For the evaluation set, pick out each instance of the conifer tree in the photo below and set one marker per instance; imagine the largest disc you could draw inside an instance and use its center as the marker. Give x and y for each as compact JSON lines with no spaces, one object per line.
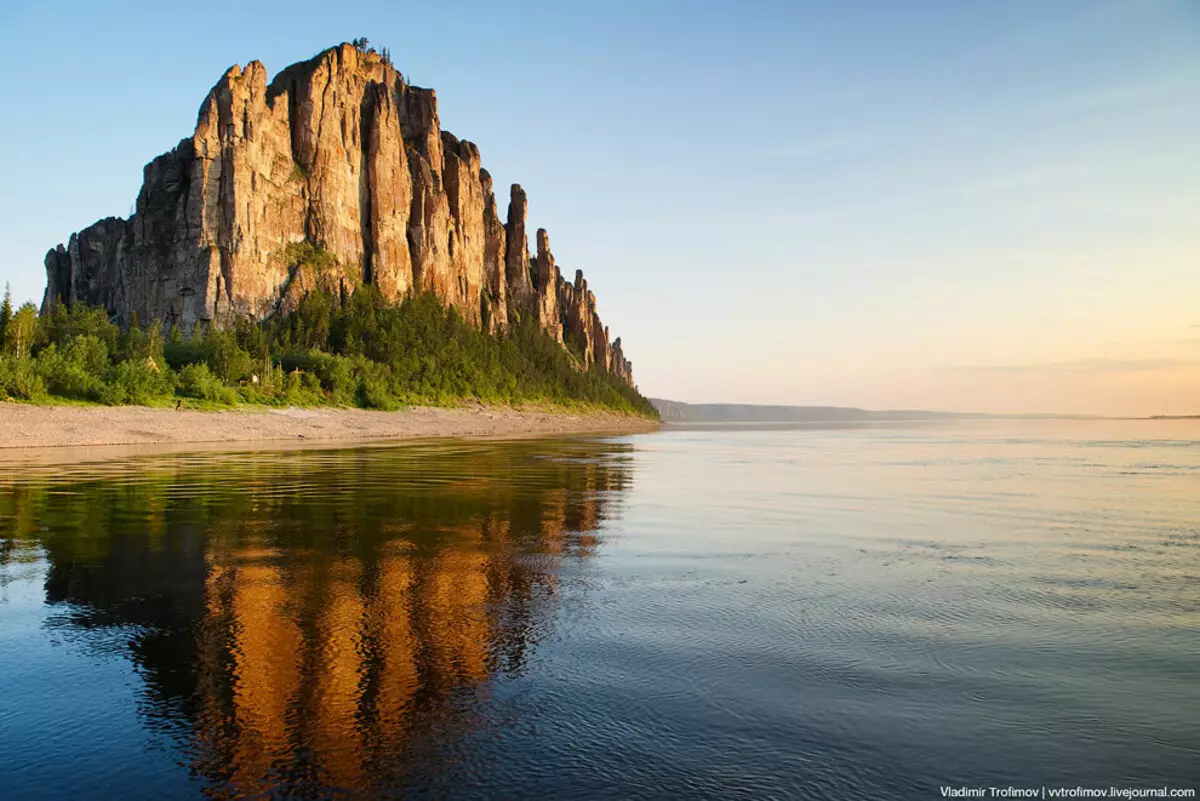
{"x":6,"y":310}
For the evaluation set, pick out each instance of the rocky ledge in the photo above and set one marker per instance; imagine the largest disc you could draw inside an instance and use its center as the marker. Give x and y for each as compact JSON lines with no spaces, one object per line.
{"x":337,"y":156}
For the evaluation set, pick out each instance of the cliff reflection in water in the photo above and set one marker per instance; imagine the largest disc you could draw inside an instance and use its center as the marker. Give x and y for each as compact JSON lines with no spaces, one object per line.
{"x":318,"y":620}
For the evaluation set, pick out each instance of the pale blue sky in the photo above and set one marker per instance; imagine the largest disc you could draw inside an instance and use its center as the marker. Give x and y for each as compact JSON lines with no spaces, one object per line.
{"x":962,"y":205}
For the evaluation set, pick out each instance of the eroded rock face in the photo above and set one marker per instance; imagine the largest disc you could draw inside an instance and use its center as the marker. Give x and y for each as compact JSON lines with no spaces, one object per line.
{"x":548,"y":280}
{"x":465,"y":240}
{"x":389,"y":198}
{"x":495,"y":251}
{"x":522,"y":300}
{"x":336,"y":153}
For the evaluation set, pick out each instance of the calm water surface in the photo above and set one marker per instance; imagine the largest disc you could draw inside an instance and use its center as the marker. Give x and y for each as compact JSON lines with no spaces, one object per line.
{"x":863,"y":612}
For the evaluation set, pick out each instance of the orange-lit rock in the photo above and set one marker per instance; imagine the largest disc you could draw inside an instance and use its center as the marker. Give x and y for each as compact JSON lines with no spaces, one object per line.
{"x":341,"y":153}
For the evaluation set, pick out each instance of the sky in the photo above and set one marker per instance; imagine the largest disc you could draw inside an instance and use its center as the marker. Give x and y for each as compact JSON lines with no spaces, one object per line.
{"x":942,"y":205}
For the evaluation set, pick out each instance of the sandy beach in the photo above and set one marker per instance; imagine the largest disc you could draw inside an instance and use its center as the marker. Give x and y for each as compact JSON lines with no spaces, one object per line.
{"x":23,"y":427}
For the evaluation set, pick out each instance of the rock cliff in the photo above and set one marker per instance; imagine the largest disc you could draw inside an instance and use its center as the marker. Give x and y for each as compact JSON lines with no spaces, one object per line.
{"x":337,"y":155}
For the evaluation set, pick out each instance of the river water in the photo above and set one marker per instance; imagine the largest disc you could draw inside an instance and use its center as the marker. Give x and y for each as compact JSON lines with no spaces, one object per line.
{"x":871,"y":611}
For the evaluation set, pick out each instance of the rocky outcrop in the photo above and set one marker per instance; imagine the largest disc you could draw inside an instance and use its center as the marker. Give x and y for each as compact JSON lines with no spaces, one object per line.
{"x":495,"y":253}
{"x":548,"y":280}
{"x":336,"y":156}
{"x":522,"y":298}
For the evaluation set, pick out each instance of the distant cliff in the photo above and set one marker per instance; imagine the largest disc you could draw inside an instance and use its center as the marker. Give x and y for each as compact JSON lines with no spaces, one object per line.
{"x":337,"y":156}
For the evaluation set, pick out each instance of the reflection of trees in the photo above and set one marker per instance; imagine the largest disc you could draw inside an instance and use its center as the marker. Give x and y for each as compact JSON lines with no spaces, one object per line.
{"x":319,"y":619}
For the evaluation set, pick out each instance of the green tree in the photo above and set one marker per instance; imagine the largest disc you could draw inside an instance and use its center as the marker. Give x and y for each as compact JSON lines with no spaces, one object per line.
{"x":19,"y":331}
{"x":228,"y":361}
{"x":6,"y":310}
{"x":133,"y":342}
{"x":154,"y":343}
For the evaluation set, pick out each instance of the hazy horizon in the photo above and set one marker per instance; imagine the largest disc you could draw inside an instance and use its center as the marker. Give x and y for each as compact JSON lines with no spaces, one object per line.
{"x":954,"y":207}
{"x":1042,"y":414}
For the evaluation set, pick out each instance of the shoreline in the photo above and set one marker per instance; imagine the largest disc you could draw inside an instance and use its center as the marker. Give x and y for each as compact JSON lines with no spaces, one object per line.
{"x":29,"y":429}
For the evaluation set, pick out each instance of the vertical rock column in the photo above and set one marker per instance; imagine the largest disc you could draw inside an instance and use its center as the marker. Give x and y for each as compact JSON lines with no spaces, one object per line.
{"x":332,"y":109}
{"x":522,"y":301}
{"x":429,"y":223}
{"x":464,"y":193}
{"x":547,"y":288}
{"x":244,"y":198}
{"x":495,"y":298}
{"x":579,"y":312}
{"x":600,"y":343}
{"x":389,"y":190}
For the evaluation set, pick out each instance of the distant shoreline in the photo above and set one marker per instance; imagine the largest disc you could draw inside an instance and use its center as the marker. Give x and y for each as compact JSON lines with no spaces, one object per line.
{"x":29,"y":427}
{"x":754,"y":413}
